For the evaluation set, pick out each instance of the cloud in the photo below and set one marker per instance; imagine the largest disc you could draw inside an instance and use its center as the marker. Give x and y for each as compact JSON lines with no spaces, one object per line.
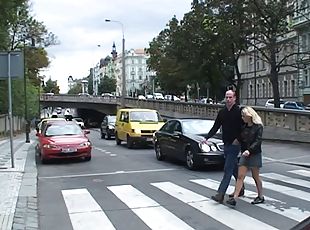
{"x":80,"y":27}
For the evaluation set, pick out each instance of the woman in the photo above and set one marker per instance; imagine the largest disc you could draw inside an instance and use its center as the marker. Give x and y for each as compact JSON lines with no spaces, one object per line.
{"x":250,"y":141}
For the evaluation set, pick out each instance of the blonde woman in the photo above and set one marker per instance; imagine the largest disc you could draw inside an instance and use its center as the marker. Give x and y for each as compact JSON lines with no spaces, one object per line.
{"x":251,"y":158}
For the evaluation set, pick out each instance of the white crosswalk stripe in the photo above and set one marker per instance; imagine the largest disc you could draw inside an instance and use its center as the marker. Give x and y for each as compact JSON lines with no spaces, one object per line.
{"x":286,"y":179}
{"x":282,"y":189}
{"x":153,"y":215}
{"x":301,"y":172}
{"x":85,"y":213}
{"x":219,"y":212}
{"x":271,"y":204}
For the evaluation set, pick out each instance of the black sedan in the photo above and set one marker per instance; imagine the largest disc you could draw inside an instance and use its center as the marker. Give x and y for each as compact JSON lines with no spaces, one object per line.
{"x":184,"y":139}
{"x":107,"y":127}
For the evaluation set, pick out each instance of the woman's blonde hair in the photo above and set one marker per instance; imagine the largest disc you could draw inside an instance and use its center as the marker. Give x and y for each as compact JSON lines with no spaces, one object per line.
{"x":249,"y":111}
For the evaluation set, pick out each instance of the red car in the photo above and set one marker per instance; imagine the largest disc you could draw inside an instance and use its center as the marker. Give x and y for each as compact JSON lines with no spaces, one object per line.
{"x":60,"y":140}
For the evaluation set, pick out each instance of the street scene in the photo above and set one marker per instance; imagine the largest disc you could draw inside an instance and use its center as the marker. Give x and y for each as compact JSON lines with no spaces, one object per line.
{"x":130,"y":189}
{"x":154,"y":115}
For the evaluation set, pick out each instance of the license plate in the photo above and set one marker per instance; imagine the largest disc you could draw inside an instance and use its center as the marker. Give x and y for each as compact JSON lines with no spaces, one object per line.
{"x":149,"y":139}
{"x":69,"y":150}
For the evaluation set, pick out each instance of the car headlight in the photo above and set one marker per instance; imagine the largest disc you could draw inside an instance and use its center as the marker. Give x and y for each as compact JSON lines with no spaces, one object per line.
{"x":213,"y":148}
{"x":49,"y":146}
{"x":204,"y":147}
{"x":85,"y":144}
{"x":137,"y":131}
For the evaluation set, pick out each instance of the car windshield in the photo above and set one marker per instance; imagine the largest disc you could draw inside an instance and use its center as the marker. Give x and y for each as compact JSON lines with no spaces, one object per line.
{"x":142,"y":116}
{"x":112,"y":119}
{"x":198,"y":126}
{"x":61,"y":130}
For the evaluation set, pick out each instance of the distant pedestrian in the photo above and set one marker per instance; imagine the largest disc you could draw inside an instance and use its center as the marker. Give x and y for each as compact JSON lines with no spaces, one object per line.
{"x":229,"y":118}
{"x":250,"y":140}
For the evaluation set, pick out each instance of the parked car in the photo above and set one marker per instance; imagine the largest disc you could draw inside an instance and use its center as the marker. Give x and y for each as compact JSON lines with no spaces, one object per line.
{"x":79,"y":121}
{"x":184,"y":139}
{"x":136,"y":126}
{"x":270,"y":103}
{"x":61,"y":140}
{"x":108,"y":95}
{"x":141,"y":97}
{"x":158,"y":96}
{"x":206,"y":101}
{"x":149,"y":96}
{"x":84,"y":95}
{"x":307,"y":107}
{"x":169,"y":98}
{"x":107,"y":127}
{"x":294,"y":105}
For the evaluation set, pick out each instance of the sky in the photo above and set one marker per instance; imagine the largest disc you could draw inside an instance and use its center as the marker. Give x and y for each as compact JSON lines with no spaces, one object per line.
{"x":85,"y":36}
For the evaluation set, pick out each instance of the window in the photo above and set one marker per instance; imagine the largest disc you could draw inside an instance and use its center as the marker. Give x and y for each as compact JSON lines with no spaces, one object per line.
{"x":264,"y":90}
{"x":250,"y":91}
{"x":258,"y":91}
{"x":285,"y":89}
{"x":132,"y":61}
{"x":270,"y":90}
{"x":293,"y":88}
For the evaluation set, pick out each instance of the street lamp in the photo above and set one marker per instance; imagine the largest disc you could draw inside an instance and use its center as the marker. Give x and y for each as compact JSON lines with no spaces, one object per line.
{"x":123,"y":64}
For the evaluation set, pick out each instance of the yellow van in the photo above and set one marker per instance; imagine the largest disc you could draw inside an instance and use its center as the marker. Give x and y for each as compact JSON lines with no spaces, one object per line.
{"x":136,"y":125}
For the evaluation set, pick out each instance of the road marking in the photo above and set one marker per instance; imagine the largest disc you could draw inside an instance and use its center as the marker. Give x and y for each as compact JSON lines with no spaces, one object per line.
{"x":273,"y":205}
{"x":282,"y":189}
{"x":84,"y":211}
{"x":108,"y":173}
{"x":148,"y":210}
{"x":301,"y":172}
{"x":287,"y":179}
{"x":227,"y":216}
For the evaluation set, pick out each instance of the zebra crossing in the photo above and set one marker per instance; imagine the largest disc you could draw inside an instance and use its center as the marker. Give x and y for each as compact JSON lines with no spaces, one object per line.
{"x":85,"y":213}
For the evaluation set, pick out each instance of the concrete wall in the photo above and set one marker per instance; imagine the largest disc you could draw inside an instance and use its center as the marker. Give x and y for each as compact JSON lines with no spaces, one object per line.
{"x":18,"y":125}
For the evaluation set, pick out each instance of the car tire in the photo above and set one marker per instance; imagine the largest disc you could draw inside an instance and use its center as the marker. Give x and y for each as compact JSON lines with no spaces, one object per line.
{"x":190,"y":159}
{"x":118,"y":141}
{"x":102,"y":135}
{"x":108,"y":135}
{"x":87,"y":158}
{"x":129,"y":142}
{"x":158,"y":152}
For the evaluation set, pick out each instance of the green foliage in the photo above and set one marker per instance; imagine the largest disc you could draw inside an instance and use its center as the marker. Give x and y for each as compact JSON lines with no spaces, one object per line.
{"x":51,"y":87}
{"x":107,"y":85}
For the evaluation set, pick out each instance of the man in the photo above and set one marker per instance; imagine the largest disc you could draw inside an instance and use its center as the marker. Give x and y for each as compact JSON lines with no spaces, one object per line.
{"x":229,"y":118}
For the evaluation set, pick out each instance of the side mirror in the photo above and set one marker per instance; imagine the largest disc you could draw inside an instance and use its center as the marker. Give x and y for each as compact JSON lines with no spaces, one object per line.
{"x":165,"y":119}
{"x":86,"y":131}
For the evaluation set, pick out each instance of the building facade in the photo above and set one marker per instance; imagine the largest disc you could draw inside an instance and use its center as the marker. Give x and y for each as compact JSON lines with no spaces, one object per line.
{"x":293,"y":79}
{"x":301,"y":24}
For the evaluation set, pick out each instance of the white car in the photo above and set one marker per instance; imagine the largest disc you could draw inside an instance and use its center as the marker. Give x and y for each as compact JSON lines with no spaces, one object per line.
{"x":141,"y":97}
{"x":79,"y":121}
{"x":158,"y":96}
{"x":270,"y":103}
{"x":169,"y":98}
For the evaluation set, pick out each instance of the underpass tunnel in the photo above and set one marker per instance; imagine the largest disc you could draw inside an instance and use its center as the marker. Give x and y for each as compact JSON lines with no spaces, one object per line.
{"x":92,"y":118}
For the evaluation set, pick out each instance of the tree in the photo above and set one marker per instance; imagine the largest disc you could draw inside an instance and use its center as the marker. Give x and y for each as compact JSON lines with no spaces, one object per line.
{"x":51,"y":87}
{"x":107,"y":85}
{"x":270,"y":29}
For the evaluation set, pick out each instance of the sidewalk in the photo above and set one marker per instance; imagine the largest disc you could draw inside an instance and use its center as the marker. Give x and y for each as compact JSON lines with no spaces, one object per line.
{"x":18,"y":185}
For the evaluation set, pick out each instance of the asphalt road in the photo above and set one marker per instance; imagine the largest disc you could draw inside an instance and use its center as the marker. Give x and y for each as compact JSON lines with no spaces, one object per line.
{"x":130,"y":190}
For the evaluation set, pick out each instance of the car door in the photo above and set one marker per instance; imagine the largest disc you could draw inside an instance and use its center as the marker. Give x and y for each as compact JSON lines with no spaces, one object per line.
{"x":177,"y":141}
{"x":123,"y":128}
{"x":165,"y":137}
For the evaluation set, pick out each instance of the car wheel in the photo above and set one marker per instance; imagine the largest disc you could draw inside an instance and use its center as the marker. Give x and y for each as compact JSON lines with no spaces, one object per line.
{"x":129,"y":142}
{"x":118,"y":141}
{"x":43,"y":160}
{"x":108,"y":135}
{"x":87,"y":158}
{"x":159,"y":154}
{"x":102,"y":135}
{"x":190,"y":160}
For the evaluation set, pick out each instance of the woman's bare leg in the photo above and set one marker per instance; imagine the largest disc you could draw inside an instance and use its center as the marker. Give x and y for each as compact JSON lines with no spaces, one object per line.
{"x":258,"y":181}
{"x":241,"y":175}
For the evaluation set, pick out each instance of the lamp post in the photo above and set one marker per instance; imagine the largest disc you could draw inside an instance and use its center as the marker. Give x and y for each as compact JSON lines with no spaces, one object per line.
{"x":25,"y":95}
{"x":123,"y":64}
